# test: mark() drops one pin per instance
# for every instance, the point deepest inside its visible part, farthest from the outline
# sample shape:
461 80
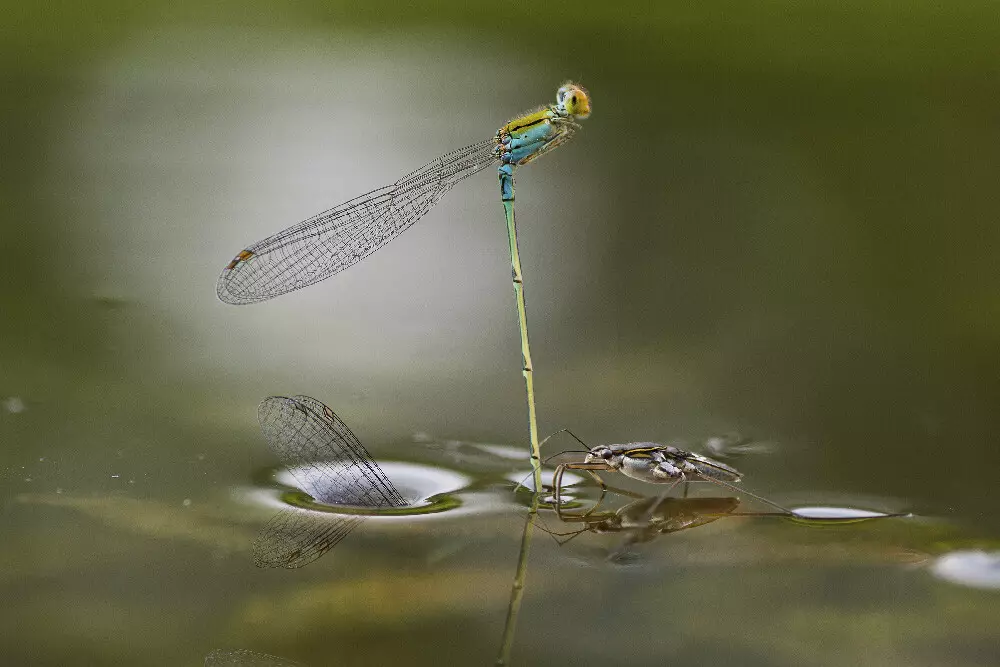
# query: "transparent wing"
331 241
245 658
714 469
296 537
708 468
327 460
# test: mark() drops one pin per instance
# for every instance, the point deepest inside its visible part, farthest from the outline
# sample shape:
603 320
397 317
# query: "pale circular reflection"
973 567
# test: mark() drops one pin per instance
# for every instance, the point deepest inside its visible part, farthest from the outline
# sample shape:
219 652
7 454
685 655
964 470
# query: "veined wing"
714 469
708 468
296 537
331 241
327 460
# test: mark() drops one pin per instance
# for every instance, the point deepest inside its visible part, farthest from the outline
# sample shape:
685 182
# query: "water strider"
330 464
333 240
654 463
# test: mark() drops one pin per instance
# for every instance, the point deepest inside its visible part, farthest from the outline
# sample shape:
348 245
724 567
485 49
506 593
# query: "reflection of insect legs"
644 519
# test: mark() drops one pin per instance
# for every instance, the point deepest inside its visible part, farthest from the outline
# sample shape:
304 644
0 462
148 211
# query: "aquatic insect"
333 240
654 463
331 465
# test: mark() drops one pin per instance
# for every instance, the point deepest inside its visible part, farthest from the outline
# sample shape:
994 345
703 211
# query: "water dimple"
831 514
429 490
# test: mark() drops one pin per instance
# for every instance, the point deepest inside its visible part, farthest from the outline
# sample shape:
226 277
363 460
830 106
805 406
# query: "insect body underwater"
333 240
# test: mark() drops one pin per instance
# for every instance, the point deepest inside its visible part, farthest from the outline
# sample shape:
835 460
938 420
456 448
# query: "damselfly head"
574 100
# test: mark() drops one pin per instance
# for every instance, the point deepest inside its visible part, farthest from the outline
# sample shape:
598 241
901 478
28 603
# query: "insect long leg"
590 468
747 493
546 460
569 518
569 535
549 458
557 483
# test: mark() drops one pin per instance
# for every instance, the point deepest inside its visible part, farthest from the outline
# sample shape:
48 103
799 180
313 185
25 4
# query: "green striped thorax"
528 137
651 462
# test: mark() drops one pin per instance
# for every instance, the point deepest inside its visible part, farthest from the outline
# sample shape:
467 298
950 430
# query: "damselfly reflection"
331 465
245 658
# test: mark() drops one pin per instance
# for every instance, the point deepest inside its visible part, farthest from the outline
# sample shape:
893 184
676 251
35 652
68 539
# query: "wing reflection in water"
245 658
331 465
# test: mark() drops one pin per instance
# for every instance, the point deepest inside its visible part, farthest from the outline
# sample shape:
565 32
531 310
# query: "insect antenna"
549 458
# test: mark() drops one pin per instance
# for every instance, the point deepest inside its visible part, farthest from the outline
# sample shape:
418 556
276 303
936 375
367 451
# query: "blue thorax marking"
535 135
506 181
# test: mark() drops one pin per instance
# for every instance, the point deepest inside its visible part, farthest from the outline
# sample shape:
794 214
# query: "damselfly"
331 465
333 240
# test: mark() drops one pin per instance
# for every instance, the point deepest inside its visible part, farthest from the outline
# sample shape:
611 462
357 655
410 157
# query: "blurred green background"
779 220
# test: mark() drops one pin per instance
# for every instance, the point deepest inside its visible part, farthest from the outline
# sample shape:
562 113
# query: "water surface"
776 223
